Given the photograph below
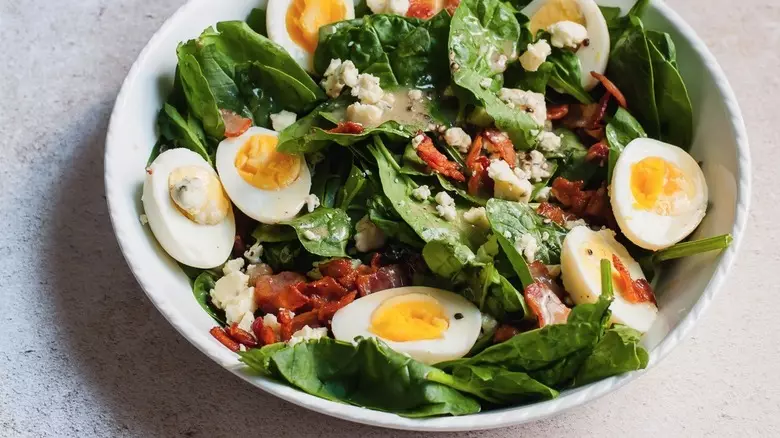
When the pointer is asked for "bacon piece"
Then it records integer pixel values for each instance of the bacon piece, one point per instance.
(235, 125)
(285, 318)
(504, 333)
(438, 162)
(557, 112)
(241, 336)
(598, 153)
(500, 144)
(546, 305)
(597, 133)
(599, 209)
(598, 116)
(273, 292)
(570, 194)
(634, 291)
(347, 128)
(326, 312)
(309, 318)
(580, 116)
(480, 177)
(554, 213)
(474, 152)
(541, 275)
(264, 334)
(611, 88)
(386, 277)
(424, 9)
(451, 5)
(220, 335)
(325, 287)
(336, 268)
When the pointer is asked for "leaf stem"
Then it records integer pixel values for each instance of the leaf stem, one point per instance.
(606, 278)
(686, 249)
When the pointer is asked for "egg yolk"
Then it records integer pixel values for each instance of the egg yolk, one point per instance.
(659, 186)
(198, 194)
(411, 317)
(554, 11)
(261, 165)
(305, 17)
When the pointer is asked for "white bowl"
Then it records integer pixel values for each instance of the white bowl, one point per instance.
(684, 291)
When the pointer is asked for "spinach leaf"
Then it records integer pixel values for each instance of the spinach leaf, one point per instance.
(295, 138)
(460, 191)
(481, 32)
(517, 260)
(286, 256)
(367, 374)
(573, 165)
(257, 21)
(446, 258)
(512, 220)
(199, 96)
(384, 216)
(182, 133)
(566, 76)
(518, 77)
(493, 293)
(330, 228)
(620, 131)
(675, 112)
(494, 384)
(201, 288)
(274, 233)
(420, 60)
(616, 353)
(259, 359)
(354, 193)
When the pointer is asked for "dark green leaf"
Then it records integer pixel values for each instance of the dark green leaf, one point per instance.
(331, 230)
(620, 131)
(274, 233)
(513, 219)
(616, 353)
(495, 384)
(201, 288)
(174, 128)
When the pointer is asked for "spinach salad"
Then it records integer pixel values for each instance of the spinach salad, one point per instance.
(429, 207)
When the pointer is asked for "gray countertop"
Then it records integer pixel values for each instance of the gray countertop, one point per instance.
(84, 353)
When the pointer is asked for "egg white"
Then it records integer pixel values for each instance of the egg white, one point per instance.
(266, 206)
(649, 229)
(595, 56)
(581, 273)
(276, 24)
(193, 244)
(355, 320)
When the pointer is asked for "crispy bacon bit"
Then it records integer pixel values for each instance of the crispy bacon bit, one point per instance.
(570, 194)
(554, 213)
(336, 268)
(220, 335)
(437, 161)
(591, 204)
(611, 88)
(597, 133)
(580, 116)
(557, 112)
(235, 125)
(452, 5)
(541, 274)
(634, 291)
(598, 153)
(500, 144)
(273, 292)
(598, 115)
(285, 318)
(421, 9)
(480, 177)
(309, 318)
(504, 333)
(546, 305)
(386, 277)
(326, 312)
(264, 334)
(599, 209)
(326, 287)
(474, 152)
(241, 336)
(376, 261)
(347, 128)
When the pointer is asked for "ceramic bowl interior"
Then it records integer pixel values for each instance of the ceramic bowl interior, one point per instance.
(684, 291)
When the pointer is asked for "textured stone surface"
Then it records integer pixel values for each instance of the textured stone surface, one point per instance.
(84, 353)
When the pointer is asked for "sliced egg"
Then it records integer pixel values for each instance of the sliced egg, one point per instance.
(658, 193)
(295, 24)
(267, 185)
(594, 55)
(430, 325)
(581, 255)
(187, 209)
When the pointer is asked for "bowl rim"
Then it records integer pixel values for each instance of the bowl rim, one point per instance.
(483, 420)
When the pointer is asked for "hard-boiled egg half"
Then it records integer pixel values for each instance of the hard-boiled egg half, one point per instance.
(295, 24)
(267, 185)
(187, 209)
(581, 255)
(658, 193)
(594, 55)
(430, 325)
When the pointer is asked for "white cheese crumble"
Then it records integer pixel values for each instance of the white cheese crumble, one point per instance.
(256, 271)
(368, 89)
(528, 101)
(444, 199)
(508, 185)
(415, 94)
(417, 140)
(488, 323)
(232, 266)
(574, 224)
(457, 138)
(498, 63)
(536, 54)
(534, 167)
(477, 216)
(366, 115)
(311, 235)
(246, 321)
(398, 7)
(312, 202)
(421, 193)
(527, 245)
(254, 253)
(308, 334)
(231, 294)
(543, 194)
(144, 219)
(447, 212)
(549, 141)
(486, 83)
(369, 237)
(337, 75)
(567, 34)
(270, 320)
(282, 120)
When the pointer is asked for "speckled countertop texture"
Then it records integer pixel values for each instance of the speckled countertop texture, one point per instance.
(84, 353)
